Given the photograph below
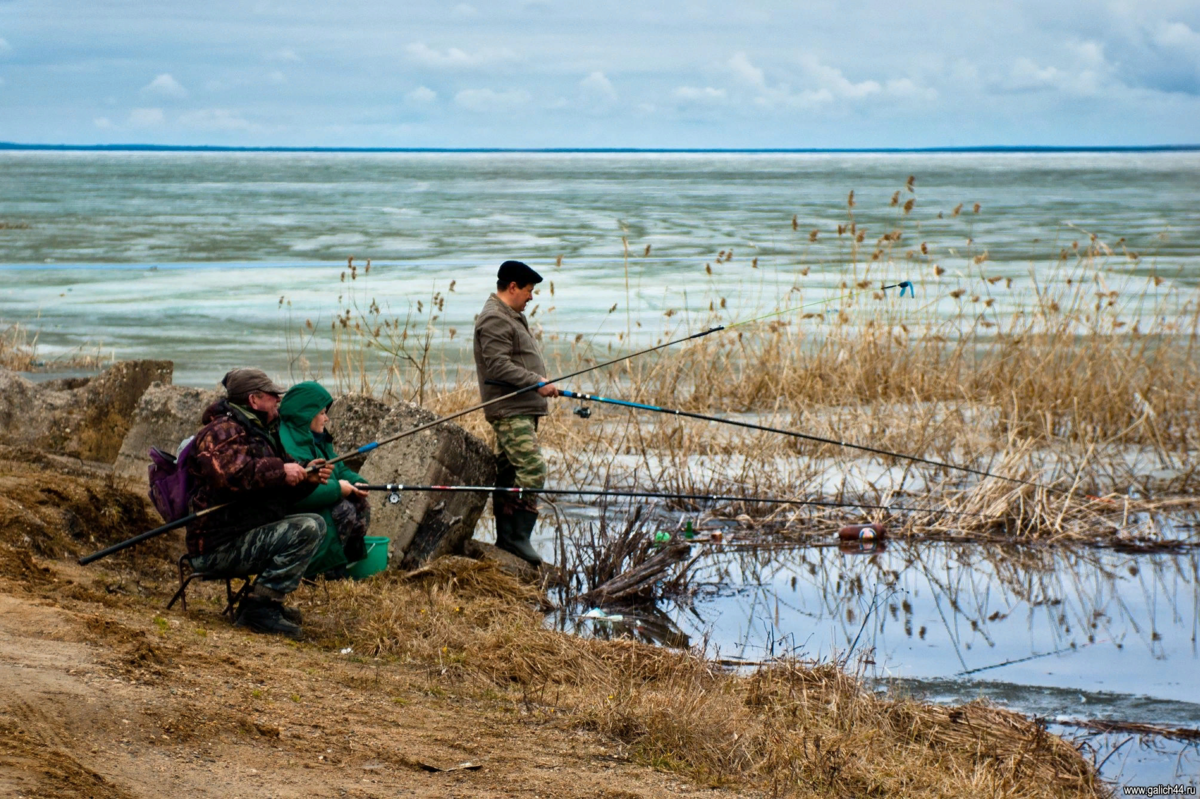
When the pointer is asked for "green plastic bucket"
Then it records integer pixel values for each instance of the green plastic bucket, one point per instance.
(375, 561)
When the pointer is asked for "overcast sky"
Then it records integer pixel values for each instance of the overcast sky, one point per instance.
(620, 73)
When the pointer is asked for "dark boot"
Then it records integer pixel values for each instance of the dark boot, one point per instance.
(504, 530)
(517, 539)
(265, 616)
(292, 614)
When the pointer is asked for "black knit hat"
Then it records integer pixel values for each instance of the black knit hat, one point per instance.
(517, 272)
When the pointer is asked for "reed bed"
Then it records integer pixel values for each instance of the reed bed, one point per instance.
(791, 729)
(19, 352)
(1080, 374)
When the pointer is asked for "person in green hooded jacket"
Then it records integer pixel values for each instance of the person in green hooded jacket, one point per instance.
(303, 415)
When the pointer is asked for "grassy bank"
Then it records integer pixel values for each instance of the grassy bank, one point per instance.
(790, 729)
(460, 635)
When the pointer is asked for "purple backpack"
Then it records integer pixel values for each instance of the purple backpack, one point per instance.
(170, 488)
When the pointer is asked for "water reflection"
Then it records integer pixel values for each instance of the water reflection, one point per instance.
(1059, 633)
(1071, 618)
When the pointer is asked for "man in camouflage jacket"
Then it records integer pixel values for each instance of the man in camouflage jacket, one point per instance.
(238, 461)
(507, 357)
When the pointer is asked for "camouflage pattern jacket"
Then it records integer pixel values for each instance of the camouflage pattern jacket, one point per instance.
(237, 459)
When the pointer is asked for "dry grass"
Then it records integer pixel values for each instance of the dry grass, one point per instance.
(19, 352)
(791, 729)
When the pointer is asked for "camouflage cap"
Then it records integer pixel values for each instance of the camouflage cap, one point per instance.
(241, 383)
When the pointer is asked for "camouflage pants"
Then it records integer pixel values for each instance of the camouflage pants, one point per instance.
(351, 518)
(278, 553)
(519, 462)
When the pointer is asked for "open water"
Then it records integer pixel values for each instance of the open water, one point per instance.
(187, 255)
(215, 260)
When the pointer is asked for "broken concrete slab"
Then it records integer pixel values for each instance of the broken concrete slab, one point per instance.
(84, 417)
(426, 525)
(355, 420)
(163, 418)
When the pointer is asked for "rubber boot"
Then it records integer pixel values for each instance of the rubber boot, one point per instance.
(505, 533)
(523, 522)
(265, 616)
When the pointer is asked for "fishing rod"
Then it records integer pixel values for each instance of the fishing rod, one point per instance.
(394, 490)
(137, 539)
(583, 412)
(364, 449)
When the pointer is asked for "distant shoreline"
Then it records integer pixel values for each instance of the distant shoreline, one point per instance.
(205, 148)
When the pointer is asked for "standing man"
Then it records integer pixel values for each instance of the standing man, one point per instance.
(237, 460)
(507, 357)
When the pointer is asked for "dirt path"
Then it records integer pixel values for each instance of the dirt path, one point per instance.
(99, 699)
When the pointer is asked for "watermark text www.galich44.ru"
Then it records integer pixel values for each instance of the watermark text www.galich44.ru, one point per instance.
(1159, 790)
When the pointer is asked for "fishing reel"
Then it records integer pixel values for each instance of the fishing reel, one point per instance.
(583, 411)
(394, 498)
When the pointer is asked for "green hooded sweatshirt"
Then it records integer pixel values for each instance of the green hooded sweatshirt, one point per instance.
(300, 406)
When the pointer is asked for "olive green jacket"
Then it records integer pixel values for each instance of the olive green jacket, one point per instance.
(507, 353)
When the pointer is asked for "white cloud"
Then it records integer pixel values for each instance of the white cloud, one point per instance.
(216, 119)
(454, 58)
(829, 81)
(747, 72)
(284, 55)
(277, 77)
(1178, 36)
(165, 86)
(818, 84)
(146, 117)
(597, 86)
(489, 100)
(1087, 74)
(104, 123)
(5, 47)
(906, 88)
(464, 11)
(692, 94)
(421, 96)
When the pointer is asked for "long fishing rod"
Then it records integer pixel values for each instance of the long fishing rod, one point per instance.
(413, 431)
(902, 285)
(137, 539)
(394, 490)
(795, 434)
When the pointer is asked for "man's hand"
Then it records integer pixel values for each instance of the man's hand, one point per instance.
(294, 473)
(319, 471)
(348, 490)
(548, 390)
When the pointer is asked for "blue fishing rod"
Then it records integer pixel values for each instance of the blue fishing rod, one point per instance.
(584, 413)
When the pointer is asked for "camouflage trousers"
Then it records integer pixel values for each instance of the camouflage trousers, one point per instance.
(519, 462)
(351, 518)
(278, 553)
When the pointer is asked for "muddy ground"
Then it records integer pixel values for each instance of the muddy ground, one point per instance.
(105, 693)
